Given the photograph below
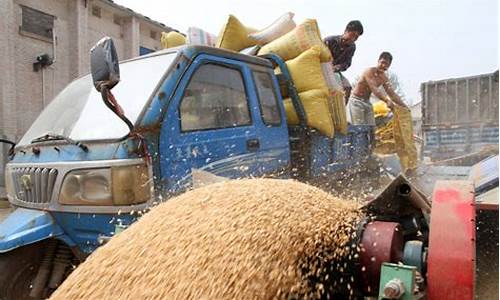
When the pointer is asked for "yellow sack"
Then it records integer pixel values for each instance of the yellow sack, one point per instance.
(385, 143)
(315, 104)
(397, 137)
(380, 109)
(291, 115)
(234, 35)
(301, 38)
(172, 39)
(306, 71)
(338, 111)
(403, 137)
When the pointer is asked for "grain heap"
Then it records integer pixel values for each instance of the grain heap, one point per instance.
(259, 238)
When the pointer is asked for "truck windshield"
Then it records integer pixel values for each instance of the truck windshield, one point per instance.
(79, 113)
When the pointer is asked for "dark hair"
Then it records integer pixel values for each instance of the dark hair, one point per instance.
(355, 26)
(385, 55)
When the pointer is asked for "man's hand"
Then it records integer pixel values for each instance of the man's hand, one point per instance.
(337, 68)
(390, 104)
(401, 103)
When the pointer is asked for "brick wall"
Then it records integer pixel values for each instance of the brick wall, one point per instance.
(23, 92)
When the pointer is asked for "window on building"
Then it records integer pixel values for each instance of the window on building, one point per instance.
(37, 22)
(117, 20)
(267, 98)
(152, 34)
(144, 50)
(96, 11)
(214, 98)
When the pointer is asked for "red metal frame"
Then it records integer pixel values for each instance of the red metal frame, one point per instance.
(452, 251)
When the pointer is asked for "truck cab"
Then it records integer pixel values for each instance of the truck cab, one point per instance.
(80, 174)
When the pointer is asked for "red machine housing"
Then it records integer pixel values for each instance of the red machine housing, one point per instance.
(452, 251)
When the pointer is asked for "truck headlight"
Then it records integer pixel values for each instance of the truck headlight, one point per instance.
(87, 187)
(131, 184)
(120, 185)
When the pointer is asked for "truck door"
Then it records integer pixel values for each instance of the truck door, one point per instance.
(274, 156)
(208, 128)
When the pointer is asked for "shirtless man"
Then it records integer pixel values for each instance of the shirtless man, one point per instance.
(360, 110)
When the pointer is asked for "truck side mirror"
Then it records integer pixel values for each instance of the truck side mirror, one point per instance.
(105, 72)
(104, 65)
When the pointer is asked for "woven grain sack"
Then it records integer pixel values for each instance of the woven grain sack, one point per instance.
(197, 36)
(306, 72)
(281, 26)
(172, 39)
(380, 109)
(330, 76)
(384, 137)
(384, 134)
(338, 111)
(301, 38)
(317, 110)
(234, 35)
(403, 138)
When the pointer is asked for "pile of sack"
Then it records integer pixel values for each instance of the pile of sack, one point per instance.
(396, 134)
(308, 60)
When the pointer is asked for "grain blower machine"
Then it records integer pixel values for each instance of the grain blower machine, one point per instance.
(409, 251)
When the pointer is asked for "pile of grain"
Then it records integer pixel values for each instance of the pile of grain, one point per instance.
(236, 239)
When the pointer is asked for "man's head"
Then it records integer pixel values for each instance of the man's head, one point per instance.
(384, 61)
(352, 31)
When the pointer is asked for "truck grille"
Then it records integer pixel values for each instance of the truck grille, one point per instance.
(33, 184)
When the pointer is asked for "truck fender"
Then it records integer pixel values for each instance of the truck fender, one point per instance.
(26, 226)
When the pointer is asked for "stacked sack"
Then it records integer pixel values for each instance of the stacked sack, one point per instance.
(308, 60)
(337, 103)
(172, 39)
(396, 136)
(195, 36)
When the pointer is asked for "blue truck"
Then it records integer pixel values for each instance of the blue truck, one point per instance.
(85, 170)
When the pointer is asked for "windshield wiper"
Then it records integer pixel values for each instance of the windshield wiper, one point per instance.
(55, 137)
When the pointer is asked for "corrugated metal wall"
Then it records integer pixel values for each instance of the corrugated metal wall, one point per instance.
(461, 101)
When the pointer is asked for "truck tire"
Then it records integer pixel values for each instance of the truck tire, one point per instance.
(18, 269)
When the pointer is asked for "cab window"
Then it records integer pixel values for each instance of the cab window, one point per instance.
(214, 98)
(267, 98)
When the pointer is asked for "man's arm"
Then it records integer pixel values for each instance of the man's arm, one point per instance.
(332, 44)
(346, 59)
(394, 97)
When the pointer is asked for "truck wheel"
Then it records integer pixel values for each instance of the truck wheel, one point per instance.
(18, 269)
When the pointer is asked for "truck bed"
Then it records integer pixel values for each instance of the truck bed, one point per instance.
(315, 155)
